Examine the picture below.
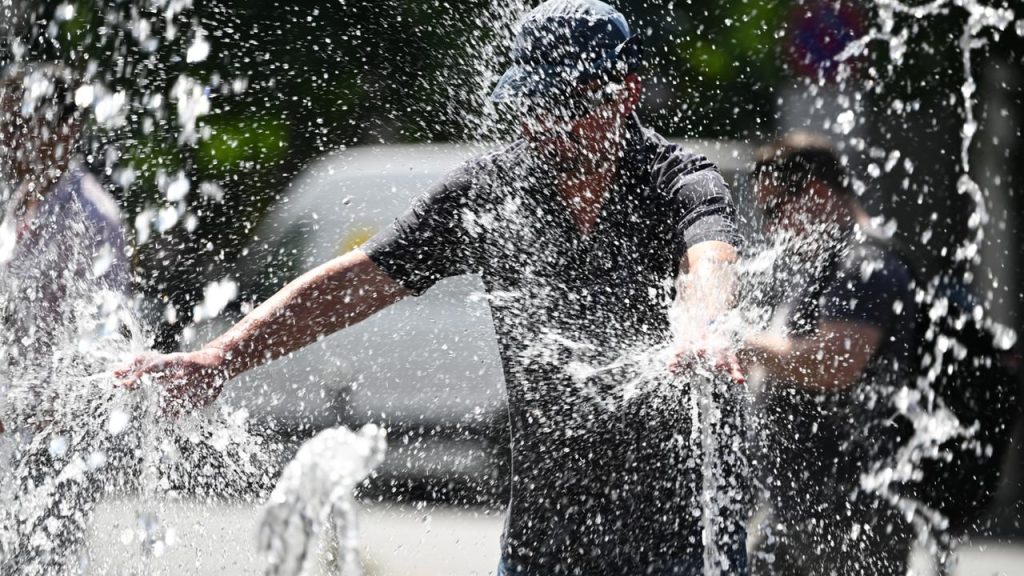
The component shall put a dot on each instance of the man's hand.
(192, 379)
(833, 358)
(690, 355)
(704, 296)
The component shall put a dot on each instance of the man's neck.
(585, 194)
(585, 189)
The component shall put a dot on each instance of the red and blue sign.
(819, 31)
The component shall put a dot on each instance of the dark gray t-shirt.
(819, 443)
(599, 484)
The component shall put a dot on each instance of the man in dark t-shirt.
(843, 344)
(586, 233)
(561, 298)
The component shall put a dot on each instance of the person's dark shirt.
(819, 443)
(598, 481)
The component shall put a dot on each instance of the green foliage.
(237, 145)
(728, 60)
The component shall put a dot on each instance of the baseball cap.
(563, 44)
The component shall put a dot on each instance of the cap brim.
(521, 82)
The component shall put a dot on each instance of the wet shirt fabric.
(821, 442)
(598, 476)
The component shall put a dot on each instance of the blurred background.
(299, 128)
(270, 87)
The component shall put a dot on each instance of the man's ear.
(633, 90)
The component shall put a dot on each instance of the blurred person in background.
(844, 339)
(61, 238)
(584, 232)
(61, 246)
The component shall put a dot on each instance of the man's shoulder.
(667, 160)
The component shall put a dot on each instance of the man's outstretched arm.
(332, 296)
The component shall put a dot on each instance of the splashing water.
(315, 491)
(84, 437)
(934, 425)
(714, 446)
(75, 436)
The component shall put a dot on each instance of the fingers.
(737, 375)
(722, 362)
(727, 363)
(185, 384)
(686, 359)
(675, 364)
(130, 373)
(134, 365)
(150, 363)
(732, 366)
(679, 364)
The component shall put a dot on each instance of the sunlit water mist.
(85, 433)
(74, 436)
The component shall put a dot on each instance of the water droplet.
(117, 422)
(845, 122)
(84, 96)
(166, 218)
(58, 447)
(199, 49)
(178, 188)
(216, 296)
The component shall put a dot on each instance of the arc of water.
(979, 18)
(927, 437)
(706, 418)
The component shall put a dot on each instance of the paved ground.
(221, 541)
(394, 541)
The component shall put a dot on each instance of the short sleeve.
(429, 241)
(873, 293)
(701, 197)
